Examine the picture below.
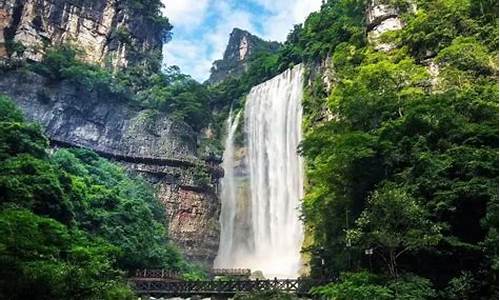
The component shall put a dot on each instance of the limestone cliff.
(240, 47)
(108, 31)
(159, 148)
(115, 34)
(382, 17)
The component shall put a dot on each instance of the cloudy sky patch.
(202, 27)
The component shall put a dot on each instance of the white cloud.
(186, 14)
(284, 16)
(191, 57)
(303, 8)
(296, 11)
(229, 18)
(202, 27)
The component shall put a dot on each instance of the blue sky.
(202, 27)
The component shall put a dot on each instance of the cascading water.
(273, 117)
(228, 195)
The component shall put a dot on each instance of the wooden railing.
(148, 287)
(156, 275)
(231, 272)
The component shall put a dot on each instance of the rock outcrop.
(161, 149)
(114, 34)
(381, 18)
(107, 31)
(241, 46)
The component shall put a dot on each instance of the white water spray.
(228, 195)
(273, 117)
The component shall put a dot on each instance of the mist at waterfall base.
(266, 235)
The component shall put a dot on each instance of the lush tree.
(355, 286)
(73, 223)
(392, 135)
(8, 111)
(33, 183)
(392, 224)
(411, 287)
(270, 295)
(119, 209)
(143, 86)
(364, 285)
(43, 259)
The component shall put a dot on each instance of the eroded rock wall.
(162, 150)
(107, 32)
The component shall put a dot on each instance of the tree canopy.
(72, 223)
(407, 164)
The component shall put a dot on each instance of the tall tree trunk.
(393, 268)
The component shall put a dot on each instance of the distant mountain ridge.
(242, 44)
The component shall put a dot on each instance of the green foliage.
(336, 22)
(467, 54)
(14, 47)
(56, 61)
(437, 23)
(177, 94)
(408, 162)
(355, 286)
(411, 287)
(9, 112)
(200, 176)
(461, 287)
(42, 259)
(195, 274)
(394, 223)
(111, 205)
(363, 285)
(171, 92)
(33, 183)
(119, 291)
(62, 63)
(18, 137)
(71, 221)
(123, 35)
(269, 295)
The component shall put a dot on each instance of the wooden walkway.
(157, 283)
(159, 288)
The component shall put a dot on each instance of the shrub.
(355, 286)
(269, 295)
(411, 287)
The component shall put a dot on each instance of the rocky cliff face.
(382, 17)
(240, 47)
(108, 32)
(160, 149)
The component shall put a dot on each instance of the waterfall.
(267, 234)
(228, 195)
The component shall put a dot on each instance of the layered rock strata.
(160, 149)
(107, 32)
